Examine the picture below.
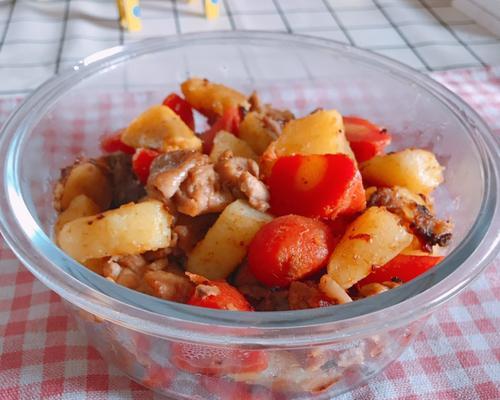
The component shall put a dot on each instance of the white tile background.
(39, 37)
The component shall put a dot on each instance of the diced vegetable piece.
(80, 206)
(113, 142)
(86, 178)
(141, 163)
(219, 295)
(333, 291)
(229, 122)
(416, 169)
(374, 238)
(160, 128)
(212, 99)
(218, 361)
(110, 233)
(322, 186)
(225, 141)
(402, 267)
(319, 133)
(255, 133)
(225, 244)
(181, 107)
(366, 139)
(289, 248)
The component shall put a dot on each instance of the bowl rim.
(410, 302)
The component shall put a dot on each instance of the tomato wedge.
(366, 139)
(141, 163)
(181, 107)
(229, 121)
(219, 295)
(403, 267)
(317, 186)
(112, 143)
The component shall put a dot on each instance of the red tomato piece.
(209, 360)
(181, 107)
(229, 121)
(403, 267)
(366, 139)
(113, 142)
(219, 295)
(141, 163)
(289, 248)
(317, 186)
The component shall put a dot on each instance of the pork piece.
(274, 118)
(303, 295)
(240, 175)
(190, 230)
(126, 187)
(429, 229)
(187, 181)
(169, 284)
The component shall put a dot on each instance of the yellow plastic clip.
(130, 14)
(212, 8)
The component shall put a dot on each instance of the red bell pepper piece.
(112, 143)
(366, 139)
(403, 267)
(141, 163)
(229, 121)
(181, 107)
(289, 248)
(317, 186)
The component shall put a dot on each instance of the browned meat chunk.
(302, 295)
(273, 119)
(190, 230)
(240, 175)
(170, 284)
(188, 180)
(429, 229)
(125, 185)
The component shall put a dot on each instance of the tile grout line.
(339, 22)
(452, 32)
(176, 17)
(282, 16)
(396, 28)
(230, 15)
(7, 24)
(63, 37)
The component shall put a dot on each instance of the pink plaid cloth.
(457, 356)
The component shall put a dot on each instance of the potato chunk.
(80, 206)
(85, 178)
(225, 141)
(226, 243)
(130, 229)
(254, 131)
(212, 99)
(371, 240)
(416, 169)
(162, 129)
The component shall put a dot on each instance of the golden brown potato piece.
(130, 229)
(212, 99)
(80, 206)
(225, 245)
(86, 178)
(319, 133)
(415, 169)
(162, 129)
(372, 239)
(225, 141)
(254, 131)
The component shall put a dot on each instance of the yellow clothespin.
(130, 14)
(212, 8)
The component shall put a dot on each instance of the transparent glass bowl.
(320, 352)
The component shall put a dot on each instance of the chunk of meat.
(188, 181)
(274, 118)
(125, 186)
(303, 295)
(202, 192)
(429, 229)
(265, 299)
(240, 175)
(170, 284)
(190, 230)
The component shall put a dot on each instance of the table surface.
(42, 355)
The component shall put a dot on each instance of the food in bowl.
(262, 211)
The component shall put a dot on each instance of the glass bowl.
(296, 354)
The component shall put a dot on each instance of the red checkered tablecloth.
(457, 356)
